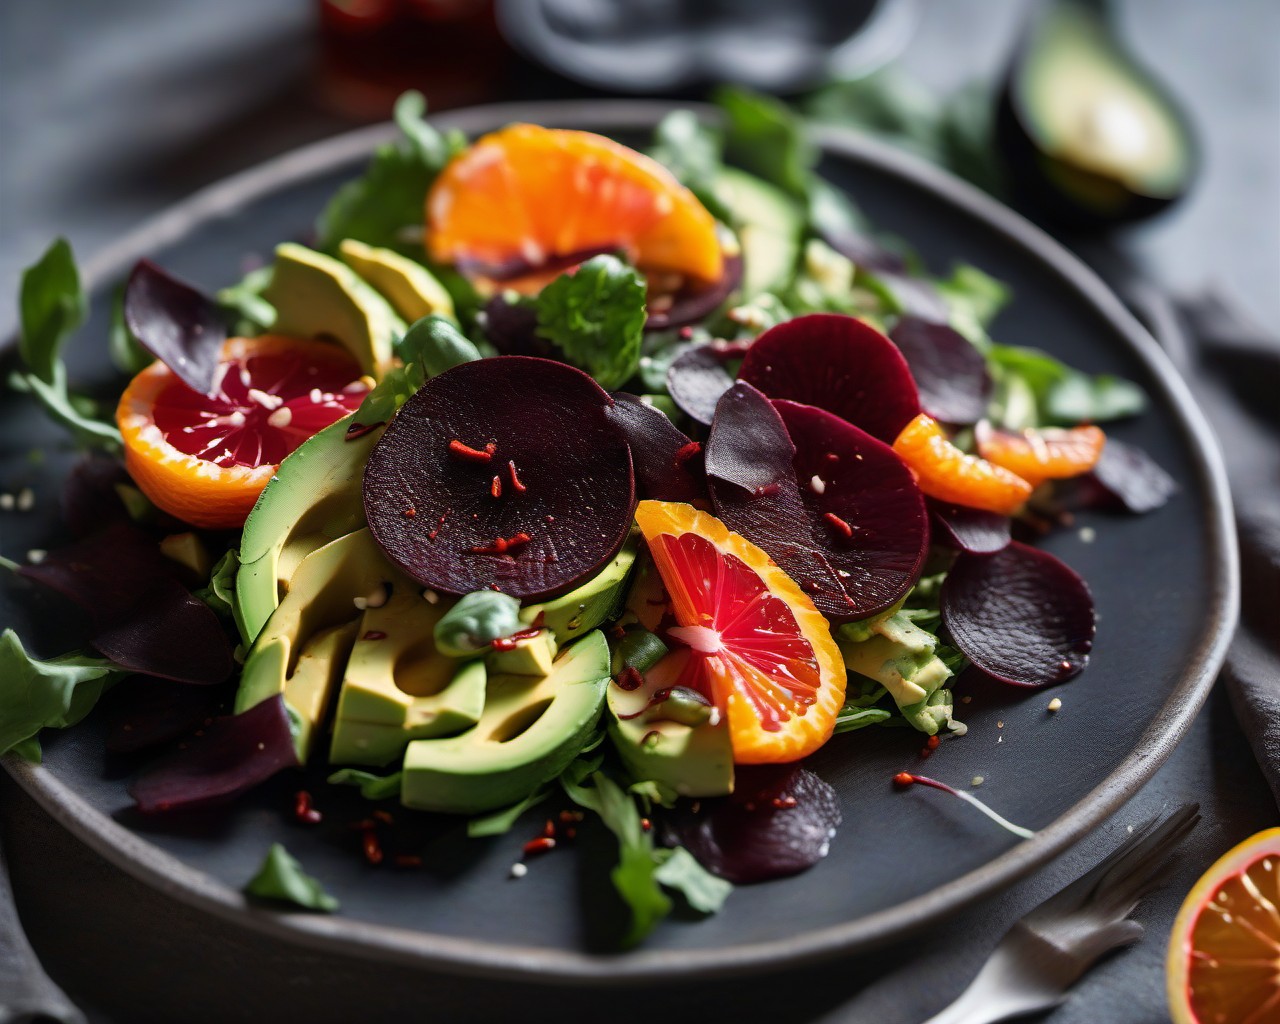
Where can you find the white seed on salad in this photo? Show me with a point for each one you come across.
(26, 499)
(431, 597)
(1088, 534)
(361, 603)
(281, 418)
(817, 486)
(519, 870)
(36, 555)
(1055, 704)
(977, 780)
(6, 502)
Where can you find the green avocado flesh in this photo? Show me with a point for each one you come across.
(314, 498)
(1090, 108)
(315, 295)
(769, 230)
(530, 730)
(901, 657)
(595, 602)
(410, 287)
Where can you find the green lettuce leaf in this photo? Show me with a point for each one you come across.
(219, 592)
(679, 870)
(768, 138)
(372, 787)
(692, 151)
(1061, 394)
(281, 878)
(497, 823)
(127, 355)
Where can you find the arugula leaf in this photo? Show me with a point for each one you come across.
(73, 412)
(36, 694)
(281, 878)
(29, 750)
(1061, 394)
(1079, 398)
(127, 355)
(678, 869)
(53, 306)
(384, 205)
(595, 316)
(219, 593)
(976, 293)
(692, 150)
(768, 138)
(497, 823)
(372, 787)
(244, 298)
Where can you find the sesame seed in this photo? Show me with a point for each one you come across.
(1055, 704)
(816, 485)
(519, 870)
(977, 780)
(26, 500)
(36, 555)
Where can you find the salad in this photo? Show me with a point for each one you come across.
(551, 474)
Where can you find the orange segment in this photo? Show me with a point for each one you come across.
(944, 472)
(205, 460)
(534, 195)
(759, 648)
(1223, 962)
(1040, 455)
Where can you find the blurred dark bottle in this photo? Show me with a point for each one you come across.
(373, 50)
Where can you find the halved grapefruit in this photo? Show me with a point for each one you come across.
(760, 650)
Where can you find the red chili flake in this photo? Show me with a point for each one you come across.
(372, 848)
(571, 833)
(432, 534)
(508, 643)
(1065, 666)
(516, 482)
(411, 512)
(408, 860)
(903, 779)
(469, 454)
(549, 829)
(360, 429)
(383, 816)
(540, 845)
(646, 824)
(784, 803)
(686, 333)
(571, 817)
(832, 458)
(551, 519)
(303, 811)
(932, 742)
(630, 678)
(495, 488)
(838, 523)
(501, 545)
(618, 632)
(688, 452)
(374, 634)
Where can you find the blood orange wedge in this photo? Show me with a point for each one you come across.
(1223, 965)
(761, 651)
(206, 459)
(527, 198)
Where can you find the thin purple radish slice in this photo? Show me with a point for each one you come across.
(950, 374)
(779, 821)
(176, 323)
(235, 754)
(1127, 477)
(153, 711)
(967, 529)
(696, 379)
(668, 464)
(143, 618)
(1020, 615)
(505, 474)
(748, 460)
(692, 304)
(863, 506)
(837, 363)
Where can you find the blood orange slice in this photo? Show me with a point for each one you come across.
(206, 459)
(761, 651)
(1050, 453)
(1223, 965)
(527, 199)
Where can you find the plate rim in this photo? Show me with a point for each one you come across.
(138, 857)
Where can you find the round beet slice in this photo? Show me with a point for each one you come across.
(695, 303)
(1020, 615)
(837, 363)
(967, 529)
(949, 372)
(504, 474)
(863, 503)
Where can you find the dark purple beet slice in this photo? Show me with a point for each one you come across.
(143, 618)
(1127, 477)
(950, 374)
(696, 303)
(696, 379)
(668, 464)
(235, 754)
(863, 504)
(863, 250)
(512, 328)
(153, 711)
(519, 266)
(537, 514)
(176, 323)
(837, 363)
(89, 497)
(967, 529)
(916, 296)
(779, 821)
(1020, 615)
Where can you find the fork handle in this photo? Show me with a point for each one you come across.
(1001, 990)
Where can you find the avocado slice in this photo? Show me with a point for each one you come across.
(316, 296)
(317, 618)
(531, 728)
(769, 230)
(902, 658)
(315, 497)
(595, 602)
(410, 287)
(1088, 133)
(523, 655)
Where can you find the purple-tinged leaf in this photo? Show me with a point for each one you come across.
(967, 529)
(512, 328)
(950, 373)
(146, 712)
(176, 323)
(89, 497)
(144, 620)
(837, 363)
(1020, 615)
(696, 302)
(235, 754)
(1127, 477)
(779, 821)
(505, 474)
(668, 464)
(697, 378)
(863, 251)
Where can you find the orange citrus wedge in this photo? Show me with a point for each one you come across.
(944, 472)
(206, 459)
(531, 196)
(1039, 455)
(760, 650)
(1223, 965)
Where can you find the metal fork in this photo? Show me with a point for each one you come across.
(1049, 949)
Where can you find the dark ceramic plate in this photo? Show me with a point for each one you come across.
(1164, 583)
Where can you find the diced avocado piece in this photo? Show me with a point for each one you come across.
(189, 551)
(901, 657)
(523, 655)
(323, 596)
(769, 229)
(596, 601)
(647, 598)
(314, 498)
(316, 296)
(530, 730)
(409, 286)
